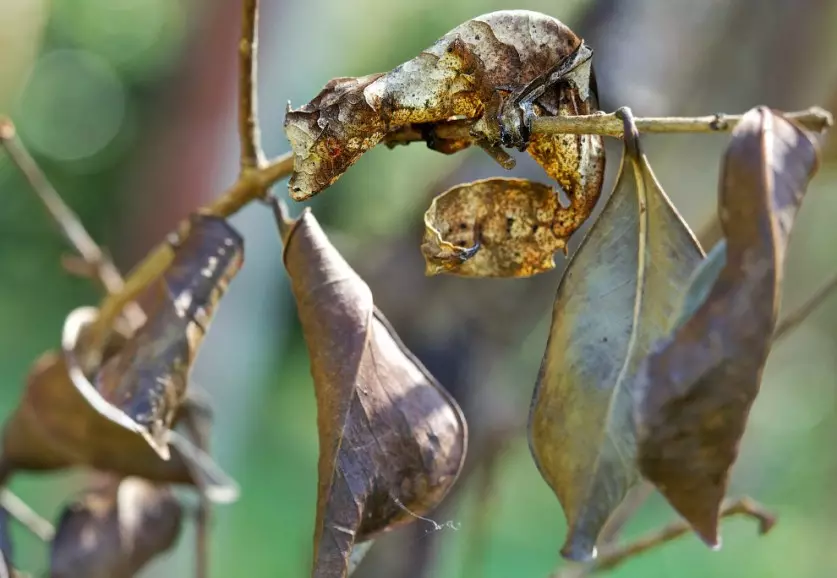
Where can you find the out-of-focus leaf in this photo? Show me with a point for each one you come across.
(392, 440)
(695, 389)
(55, 427)
(617, 297)
(114, 529)
(141, 387)
(492, 228)
(487, 70)
(6, 551)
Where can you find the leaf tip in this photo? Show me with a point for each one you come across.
(579, 549)
(157, 436)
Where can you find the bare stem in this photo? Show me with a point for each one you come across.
(67, 220)
(795, 318)
(30, 519)
(815, 119)
(248, 128)
(613, 556)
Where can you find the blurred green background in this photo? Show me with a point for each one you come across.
(129, 107)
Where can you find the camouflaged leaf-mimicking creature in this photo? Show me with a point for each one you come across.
(497, 70)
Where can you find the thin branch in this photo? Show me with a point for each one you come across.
(815, 119)
(616, 555)
(67, 220)
(30, 519)
(248, 127)
(793, 319)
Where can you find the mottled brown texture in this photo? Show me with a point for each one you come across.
(54, 427)
(330, 133)
(114, 529)
(482, 71)
(695, 389)
(142, 386)
(492, 228)
(617, 297)
(392, 440)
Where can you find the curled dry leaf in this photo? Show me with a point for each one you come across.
(616, 298)
(55, 427)
(392, 440)
(695, 389)
(114, 529)
(142, 385)
(497, 71)
(492, 228)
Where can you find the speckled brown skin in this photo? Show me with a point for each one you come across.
(497, 70)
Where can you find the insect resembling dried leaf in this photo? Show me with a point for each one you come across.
(492, 228)
(141, 387)
(54, 427)
(618, 295)
(695, 389)
(392, 440)
(114, 529)
(495, 70)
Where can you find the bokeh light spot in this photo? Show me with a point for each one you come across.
(72, 106)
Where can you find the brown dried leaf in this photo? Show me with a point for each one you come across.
(492, 228)
(114, 529)
(618, 296)
(696, 387)
(392, 440)
(142, 386)
(487, 70)
(55, 427)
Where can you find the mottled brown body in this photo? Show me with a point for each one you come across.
(495, 70)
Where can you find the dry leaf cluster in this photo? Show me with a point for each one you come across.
(654, 356)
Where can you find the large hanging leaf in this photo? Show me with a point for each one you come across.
(141, 387)
(696, 387)
(55, 427)
(392, 440)
(114, 529)
(617, 296)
